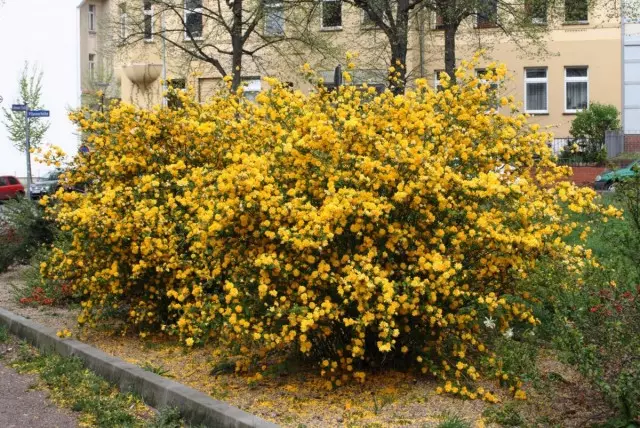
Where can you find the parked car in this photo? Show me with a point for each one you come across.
(47, 186)
(608, 179)
(10, 188)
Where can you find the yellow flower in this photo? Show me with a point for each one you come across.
(277, 223)
(63, 334)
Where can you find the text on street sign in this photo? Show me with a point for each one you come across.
(38, 113)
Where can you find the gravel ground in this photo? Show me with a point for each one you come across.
(21, 407)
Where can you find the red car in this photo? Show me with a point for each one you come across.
(10, 188)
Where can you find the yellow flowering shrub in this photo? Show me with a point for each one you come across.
(354, 228)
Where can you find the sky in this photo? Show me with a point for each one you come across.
(42, 32)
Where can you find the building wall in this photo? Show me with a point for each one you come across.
(84, 38)
(97, 43)
(632, 143)
(631, 110)
(89, 39)
(370, 44)
(596, 46)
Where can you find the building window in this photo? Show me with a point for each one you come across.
(537, 11)
(193, 19)
(92, 66)
(536, 90)
(252, 87)
(576, 10)
(492, 94)
(576, 88)
(123, 21)
(438, 21)
(487, 14)
(436, 80)
(178, 85)
(148, 20)
(331, 13)
(367, 22)
(273, 18)
(92, 17)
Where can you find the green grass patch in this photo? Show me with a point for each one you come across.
(159, 370)
(101, 404)
(518, 358)
(507, 415)
(167, 418)
(4, 335)
(453, 421)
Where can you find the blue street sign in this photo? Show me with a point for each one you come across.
(83, 149)
(38, 113)
(19, 107)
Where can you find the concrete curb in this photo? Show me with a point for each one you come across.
(196, 407)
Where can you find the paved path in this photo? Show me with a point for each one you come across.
(24, 408)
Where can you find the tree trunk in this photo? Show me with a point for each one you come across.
(450, 31)
(236, 45)
(398, 79)
(450, 12)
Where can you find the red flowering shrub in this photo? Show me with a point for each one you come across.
(40, 296)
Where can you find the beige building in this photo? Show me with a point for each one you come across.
(580, 63)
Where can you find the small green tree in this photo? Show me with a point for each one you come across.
(589, 128)
(30, 83)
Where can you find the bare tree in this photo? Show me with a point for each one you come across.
(393, 18)
(523, 22)
(221, 33)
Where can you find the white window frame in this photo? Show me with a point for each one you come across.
(92, 18)
(581, 79)
(278, 6)
(147, 13)
(123, 21)
(251, 85)
(436, 79)
(434, 23)
(337, 27)
(363, 18)
(92, 66)
(544, 80)
(492, 85)
(187, 12)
